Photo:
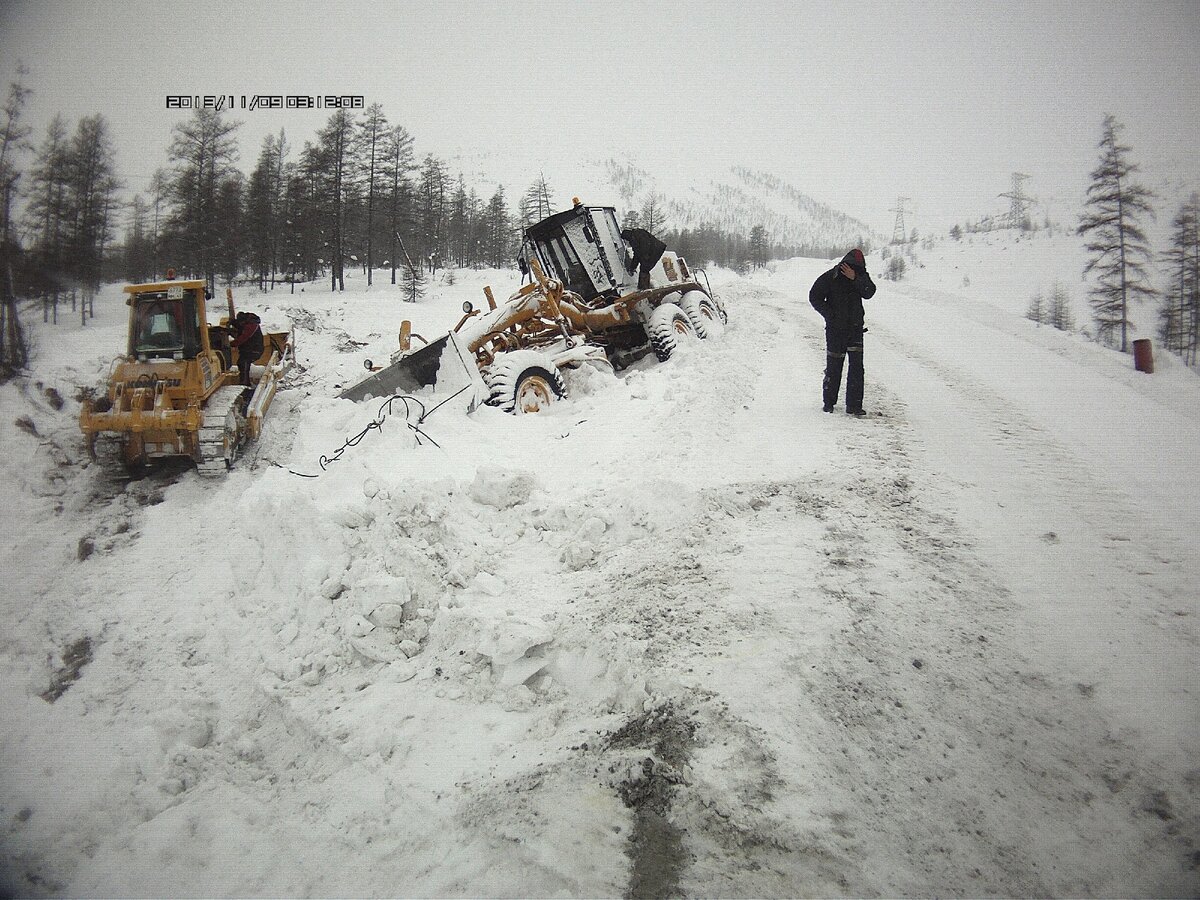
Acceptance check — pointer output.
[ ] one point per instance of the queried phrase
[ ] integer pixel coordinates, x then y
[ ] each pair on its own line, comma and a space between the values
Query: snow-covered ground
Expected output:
682, 634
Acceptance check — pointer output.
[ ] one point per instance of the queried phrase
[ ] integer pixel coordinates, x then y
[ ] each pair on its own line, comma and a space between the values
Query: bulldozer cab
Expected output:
582, 248
164, 321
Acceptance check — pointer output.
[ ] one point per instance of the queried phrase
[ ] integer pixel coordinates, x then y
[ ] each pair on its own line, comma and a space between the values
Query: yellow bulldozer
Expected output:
582, 305
176, 391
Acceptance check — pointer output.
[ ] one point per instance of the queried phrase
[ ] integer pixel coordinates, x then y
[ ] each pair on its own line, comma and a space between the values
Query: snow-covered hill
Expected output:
683, 634
732, 198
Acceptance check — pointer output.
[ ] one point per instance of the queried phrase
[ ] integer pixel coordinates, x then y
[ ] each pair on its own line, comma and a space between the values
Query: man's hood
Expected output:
855, 260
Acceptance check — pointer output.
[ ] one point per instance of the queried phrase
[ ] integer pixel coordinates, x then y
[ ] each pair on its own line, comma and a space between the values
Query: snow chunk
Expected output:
489, 584
502, 489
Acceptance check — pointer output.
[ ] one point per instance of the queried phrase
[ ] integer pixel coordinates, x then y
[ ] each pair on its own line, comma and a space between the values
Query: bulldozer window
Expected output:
164, 327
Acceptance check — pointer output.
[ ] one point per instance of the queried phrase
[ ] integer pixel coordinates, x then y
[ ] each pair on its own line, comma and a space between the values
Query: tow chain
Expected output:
376, 424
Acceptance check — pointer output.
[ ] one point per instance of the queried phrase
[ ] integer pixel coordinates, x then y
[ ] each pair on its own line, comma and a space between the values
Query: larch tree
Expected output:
760, 247
372, 138
1111, 220
1058, 308
338, 145
498, 247
14, 353
536, 202
653, 215
91, 189
203, 152
398, 165
46, 214
1179, 317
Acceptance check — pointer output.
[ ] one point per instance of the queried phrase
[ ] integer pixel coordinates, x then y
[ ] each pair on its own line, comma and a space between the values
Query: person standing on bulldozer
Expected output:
248, 340
647, 250
838, 295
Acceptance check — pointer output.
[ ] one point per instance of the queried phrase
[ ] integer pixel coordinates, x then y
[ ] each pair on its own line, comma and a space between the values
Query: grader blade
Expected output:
405, 376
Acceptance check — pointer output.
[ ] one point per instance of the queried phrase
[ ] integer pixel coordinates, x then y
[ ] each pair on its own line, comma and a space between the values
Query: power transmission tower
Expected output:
1018, 214
899, 234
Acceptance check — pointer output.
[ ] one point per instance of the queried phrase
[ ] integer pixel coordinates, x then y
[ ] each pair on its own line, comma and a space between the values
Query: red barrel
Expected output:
1143, 356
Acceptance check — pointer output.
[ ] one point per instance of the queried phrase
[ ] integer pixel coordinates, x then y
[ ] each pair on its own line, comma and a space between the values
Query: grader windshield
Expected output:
165, 324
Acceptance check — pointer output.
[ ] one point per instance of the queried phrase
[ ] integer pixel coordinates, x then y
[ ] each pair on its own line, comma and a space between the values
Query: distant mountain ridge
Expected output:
734, 198
742, 198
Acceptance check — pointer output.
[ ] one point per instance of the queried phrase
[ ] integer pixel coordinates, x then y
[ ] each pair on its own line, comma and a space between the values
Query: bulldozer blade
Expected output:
405, 376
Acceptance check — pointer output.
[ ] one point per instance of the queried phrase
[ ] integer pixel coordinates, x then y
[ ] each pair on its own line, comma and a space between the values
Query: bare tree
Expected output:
204, 152
536, 202
372, 140
1112, 221
337, 145
14, 353
1037, 308
653, 215
1179, 318
397, 166
1058, 308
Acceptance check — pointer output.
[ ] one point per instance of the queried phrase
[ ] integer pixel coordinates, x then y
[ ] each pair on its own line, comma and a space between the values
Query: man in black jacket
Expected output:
647, 250
838, 295
248, 340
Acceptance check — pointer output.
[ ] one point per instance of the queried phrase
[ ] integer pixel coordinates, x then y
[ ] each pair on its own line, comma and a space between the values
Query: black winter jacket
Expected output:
646, 247
839, 300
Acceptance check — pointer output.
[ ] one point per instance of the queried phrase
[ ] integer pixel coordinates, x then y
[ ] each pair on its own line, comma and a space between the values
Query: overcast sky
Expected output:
854, 103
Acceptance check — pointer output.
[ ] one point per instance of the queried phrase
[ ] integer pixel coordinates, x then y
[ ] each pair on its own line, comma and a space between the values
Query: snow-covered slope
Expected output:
691, 193
683, 634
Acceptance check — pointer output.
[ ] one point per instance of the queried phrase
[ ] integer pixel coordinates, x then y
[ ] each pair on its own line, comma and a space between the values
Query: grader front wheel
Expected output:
534, 393
524, 381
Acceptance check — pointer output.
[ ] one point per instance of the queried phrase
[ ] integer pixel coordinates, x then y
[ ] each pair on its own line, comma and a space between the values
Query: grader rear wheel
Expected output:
668, 323
703, 314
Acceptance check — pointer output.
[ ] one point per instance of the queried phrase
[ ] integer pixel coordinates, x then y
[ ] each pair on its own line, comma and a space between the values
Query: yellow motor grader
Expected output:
176, 391
582, 305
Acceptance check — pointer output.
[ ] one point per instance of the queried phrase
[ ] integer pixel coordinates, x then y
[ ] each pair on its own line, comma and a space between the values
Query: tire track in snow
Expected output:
893, 714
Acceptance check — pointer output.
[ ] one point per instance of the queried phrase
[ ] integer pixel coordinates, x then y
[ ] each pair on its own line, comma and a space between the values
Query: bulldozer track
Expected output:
218, 444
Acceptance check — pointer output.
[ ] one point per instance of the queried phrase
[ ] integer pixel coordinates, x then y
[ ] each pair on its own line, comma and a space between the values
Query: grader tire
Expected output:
703, 314
667, 324
524, 381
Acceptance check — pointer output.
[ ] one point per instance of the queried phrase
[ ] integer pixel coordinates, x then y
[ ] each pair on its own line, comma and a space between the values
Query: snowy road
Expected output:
685, 634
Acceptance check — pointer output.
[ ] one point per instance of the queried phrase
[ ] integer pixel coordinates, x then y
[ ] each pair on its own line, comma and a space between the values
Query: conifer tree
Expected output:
536, 203
398, 165
1037, 308
91, 197
203, 151
13, 135
760, 250
373, 141
337, 149
1112, 221
47, 216
653, 214
1179, 327
1058, 308
499, 231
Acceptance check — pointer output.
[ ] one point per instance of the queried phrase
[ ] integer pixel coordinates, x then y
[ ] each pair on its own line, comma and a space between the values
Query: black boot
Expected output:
833, 379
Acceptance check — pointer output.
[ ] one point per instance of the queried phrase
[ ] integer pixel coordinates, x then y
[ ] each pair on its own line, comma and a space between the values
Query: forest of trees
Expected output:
355, 196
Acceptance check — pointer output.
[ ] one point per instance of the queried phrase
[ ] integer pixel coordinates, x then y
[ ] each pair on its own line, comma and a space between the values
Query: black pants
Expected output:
835, 354
245, 361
